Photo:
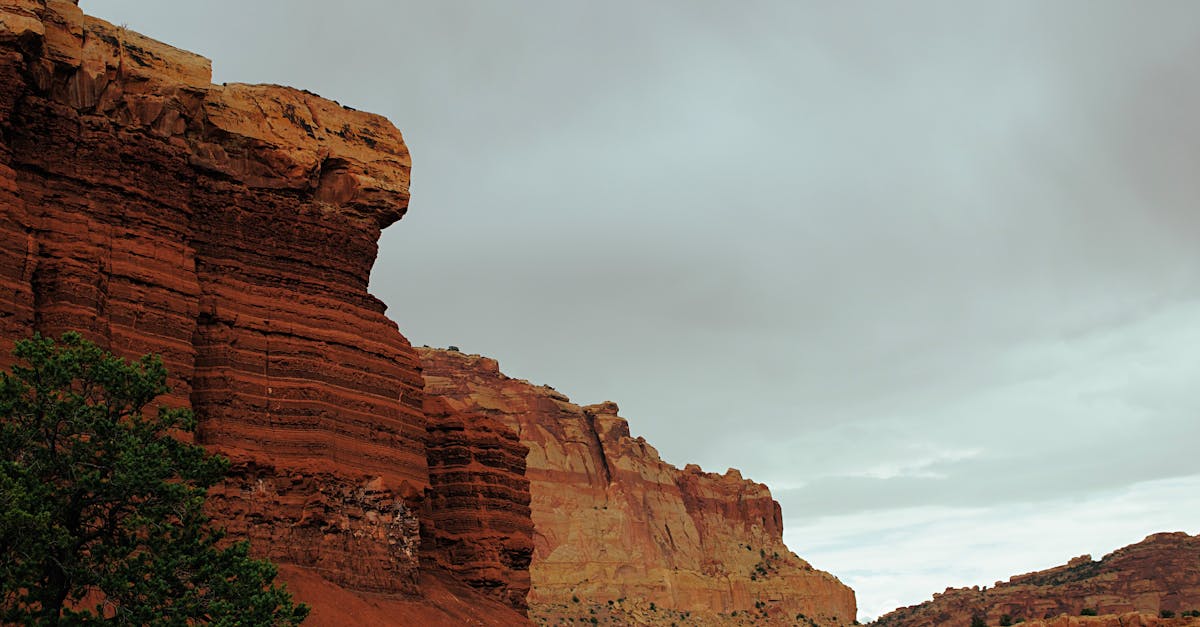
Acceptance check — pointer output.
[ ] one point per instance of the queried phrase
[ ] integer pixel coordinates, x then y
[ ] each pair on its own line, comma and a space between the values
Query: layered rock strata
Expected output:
478, 508
613, 522
230, 229
1160, 575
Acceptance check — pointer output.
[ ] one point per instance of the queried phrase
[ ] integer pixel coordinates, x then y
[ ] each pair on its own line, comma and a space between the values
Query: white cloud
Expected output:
921, 468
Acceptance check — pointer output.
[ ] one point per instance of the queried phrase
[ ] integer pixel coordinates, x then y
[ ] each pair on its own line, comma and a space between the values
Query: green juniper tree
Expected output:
101, 508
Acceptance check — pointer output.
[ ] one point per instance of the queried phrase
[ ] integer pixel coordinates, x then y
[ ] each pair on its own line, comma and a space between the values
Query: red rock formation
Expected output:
613, 521
480, 528
1160, 573
232, 230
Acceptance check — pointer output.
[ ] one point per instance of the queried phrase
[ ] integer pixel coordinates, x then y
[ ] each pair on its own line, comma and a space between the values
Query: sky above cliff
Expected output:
929, 270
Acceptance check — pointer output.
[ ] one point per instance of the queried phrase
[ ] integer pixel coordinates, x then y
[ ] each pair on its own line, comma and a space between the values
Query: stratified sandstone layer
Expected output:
614, 522
1161, 573
480, 528
232, 230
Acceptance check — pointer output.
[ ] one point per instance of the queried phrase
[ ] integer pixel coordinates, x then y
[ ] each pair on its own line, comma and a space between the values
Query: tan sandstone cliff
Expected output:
1134, 583
624, 536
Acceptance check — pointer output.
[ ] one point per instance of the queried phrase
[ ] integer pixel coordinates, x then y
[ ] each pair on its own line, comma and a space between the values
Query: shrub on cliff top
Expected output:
101, 515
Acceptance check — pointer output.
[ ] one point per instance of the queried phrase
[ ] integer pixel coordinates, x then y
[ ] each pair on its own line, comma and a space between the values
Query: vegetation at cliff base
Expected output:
101, 507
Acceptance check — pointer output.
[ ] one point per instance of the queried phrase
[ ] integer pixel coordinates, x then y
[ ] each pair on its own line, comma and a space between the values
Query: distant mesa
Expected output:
1153, 582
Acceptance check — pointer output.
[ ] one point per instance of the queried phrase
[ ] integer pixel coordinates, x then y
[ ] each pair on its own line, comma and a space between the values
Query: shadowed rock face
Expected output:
232, 230
1160, 573
479, 503
612, 520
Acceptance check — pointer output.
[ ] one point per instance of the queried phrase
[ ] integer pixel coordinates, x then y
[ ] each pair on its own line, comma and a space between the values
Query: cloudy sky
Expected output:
928, 269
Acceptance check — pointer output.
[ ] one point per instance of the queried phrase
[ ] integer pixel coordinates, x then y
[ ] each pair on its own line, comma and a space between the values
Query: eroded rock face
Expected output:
1160, 573
613, 521
478, 507
1129, 619
232, 230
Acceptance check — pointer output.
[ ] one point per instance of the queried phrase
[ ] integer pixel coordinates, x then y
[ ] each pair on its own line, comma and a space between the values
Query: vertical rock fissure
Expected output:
601, 454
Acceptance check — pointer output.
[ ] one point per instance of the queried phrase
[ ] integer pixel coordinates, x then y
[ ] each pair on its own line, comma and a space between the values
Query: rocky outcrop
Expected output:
619, 532
1129, 619
1160, 575
230, 229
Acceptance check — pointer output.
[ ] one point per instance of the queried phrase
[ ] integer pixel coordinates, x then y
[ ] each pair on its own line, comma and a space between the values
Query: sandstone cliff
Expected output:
232, 230
622, 535
1160, 573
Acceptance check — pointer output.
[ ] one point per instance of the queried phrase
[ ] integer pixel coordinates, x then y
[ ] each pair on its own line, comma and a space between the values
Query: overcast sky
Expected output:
928, 269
